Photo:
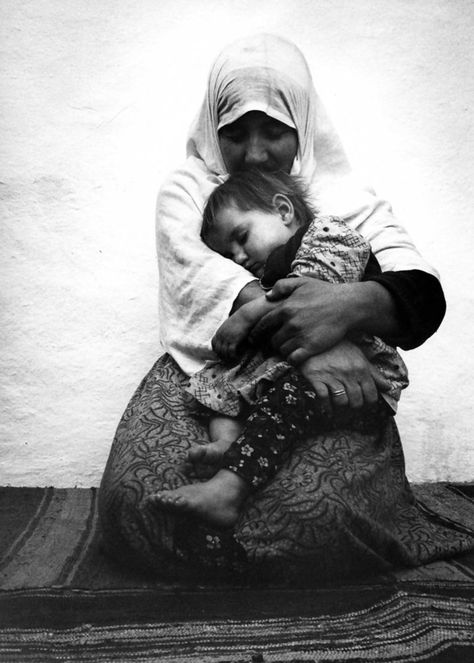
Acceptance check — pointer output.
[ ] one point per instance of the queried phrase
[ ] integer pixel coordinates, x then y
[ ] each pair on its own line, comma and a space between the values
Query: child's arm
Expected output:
237, 327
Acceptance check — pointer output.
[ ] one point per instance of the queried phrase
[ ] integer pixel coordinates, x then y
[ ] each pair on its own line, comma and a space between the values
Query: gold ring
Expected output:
339, 392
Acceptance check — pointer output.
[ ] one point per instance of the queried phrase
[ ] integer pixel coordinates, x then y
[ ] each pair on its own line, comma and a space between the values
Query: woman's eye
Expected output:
275, 131
242, 238
233, 136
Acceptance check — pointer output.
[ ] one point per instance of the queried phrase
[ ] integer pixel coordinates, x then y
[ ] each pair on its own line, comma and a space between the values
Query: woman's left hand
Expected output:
343, 377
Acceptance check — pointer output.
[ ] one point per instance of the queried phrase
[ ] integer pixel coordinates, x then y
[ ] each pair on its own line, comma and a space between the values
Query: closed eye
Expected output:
233, 135
274, 133
242, 237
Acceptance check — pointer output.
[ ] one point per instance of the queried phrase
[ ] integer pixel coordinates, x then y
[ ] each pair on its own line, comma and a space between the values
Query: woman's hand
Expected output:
342, 377
311, 316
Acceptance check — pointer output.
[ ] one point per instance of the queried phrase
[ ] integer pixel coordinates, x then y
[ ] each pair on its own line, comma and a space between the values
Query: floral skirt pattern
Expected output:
339, 506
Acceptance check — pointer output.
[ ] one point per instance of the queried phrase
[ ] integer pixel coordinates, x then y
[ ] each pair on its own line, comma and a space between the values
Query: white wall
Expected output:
96, 101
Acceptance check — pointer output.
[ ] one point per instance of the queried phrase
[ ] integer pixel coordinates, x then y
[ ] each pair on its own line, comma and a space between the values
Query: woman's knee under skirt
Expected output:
340, 506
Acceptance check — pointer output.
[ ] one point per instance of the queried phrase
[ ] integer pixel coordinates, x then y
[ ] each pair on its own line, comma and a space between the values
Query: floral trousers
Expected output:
288, 411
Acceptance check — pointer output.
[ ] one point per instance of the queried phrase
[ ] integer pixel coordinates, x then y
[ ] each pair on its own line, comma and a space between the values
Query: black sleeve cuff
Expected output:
420, 303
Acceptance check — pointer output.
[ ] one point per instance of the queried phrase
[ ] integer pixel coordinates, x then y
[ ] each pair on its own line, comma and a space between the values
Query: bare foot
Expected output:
217, 501
206, 459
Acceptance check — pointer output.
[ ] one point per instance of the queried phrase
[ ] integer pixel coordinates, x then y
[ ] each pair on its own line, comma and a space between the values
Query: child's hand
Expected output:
230, 336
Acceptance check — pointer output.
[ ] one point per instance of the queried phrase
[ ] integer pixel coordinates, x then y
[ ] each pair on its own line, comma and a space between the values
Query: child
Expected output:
264, 222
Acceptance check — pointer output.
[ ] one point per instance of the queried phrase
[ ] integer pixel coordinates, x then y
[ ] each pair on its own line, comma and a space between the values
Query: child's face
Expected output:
248, 237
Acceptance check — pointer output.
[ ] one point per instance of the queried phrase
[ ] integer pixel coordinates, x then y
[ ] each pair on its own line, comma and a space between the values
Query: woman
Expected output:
341, 503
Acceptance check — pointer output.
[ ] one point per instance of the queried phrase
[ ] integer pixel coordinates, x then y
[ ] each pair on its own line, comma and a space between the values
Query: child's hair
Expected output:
255, 190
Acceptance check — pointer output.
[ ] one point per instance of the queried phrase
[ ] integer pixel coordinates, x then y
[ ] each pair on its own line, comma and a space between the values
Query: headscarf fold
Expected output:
198, 286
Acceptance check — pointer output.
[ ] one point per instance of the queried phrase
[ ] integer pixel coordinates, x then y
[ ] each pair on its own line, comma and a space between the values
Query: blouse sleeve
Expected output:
412, 282
197, 287
420, 303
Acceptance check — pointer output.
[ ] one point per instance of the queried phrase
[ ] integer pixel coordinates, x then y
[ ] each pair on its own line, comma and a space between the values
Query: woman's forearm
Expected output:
372, 309
420, 305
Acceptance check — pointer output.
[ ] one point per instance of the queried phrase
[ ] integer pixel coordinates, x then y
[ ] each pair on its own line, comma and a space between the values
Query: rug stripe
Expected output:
17, 507
406, 627
29, 529
76, 558
435, 571
41, 558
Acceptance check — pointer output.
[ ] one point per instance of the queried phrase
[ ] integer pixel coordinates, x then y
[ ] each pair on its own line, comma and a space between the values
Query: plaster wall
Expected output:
96, 102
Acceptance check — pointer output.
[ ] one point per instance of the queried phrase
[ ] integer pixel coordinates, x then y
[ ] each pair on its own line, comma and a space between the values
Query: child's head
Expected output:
253, 213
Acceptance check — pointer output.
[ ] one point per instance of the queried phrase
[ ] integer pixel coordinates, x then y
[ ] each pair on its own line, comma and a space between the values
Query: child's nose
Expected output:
239, 255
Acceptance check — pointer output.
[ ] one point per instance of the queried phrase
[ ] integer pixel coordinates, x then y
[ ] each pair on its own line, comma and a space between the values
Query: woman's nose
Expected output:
255, 153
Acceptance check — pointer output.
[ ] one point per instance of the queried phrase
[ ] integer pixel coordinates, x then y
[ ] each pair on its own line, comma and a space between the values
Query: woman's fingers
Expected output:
282, 289
262, 330
369, 391
276, 318
340, 395
355, 398
322, 392
298, 356
285, 342
351, 381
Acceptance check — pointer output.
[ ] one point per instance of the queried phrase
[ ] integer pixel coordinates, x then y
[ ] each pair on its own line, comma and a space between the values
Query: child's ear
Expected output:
285, 208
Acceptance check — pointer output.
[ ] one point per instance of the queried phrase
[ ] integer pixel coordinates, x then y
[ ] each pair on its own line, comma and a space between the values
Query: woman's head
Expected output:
262, 78
268, 75
253, 213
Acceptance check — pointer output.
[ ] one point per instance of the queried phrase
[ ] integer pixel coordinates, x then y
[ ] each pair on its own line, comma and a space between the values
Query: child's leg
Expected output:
206, 459
217, 501
224, 429
285, 413
288, 411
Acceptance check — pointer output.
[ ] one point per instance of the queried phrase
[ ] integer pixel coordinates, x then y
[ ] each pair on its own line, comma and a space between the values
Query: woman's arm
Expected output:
198, 287
420, 305
313, 316
404, 305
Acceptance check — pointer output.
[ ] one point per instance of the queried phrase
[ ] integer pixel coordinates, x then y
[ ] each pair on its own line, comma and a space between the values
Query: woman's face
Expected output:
256, 140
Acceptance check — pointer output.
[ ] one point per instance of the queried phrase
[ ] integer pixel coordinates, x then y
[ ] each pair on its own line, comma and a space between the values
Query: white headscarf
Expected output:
269, 74
198, 286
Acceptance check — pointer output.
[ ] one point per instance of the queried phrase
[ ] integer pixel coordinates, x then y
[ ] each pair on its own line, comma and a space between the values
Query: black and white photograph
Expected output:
237, 322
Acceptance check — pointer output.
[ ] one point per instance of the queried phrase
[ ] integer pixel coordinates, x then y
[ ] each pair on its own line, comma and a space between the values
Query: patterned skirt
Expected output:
340, 506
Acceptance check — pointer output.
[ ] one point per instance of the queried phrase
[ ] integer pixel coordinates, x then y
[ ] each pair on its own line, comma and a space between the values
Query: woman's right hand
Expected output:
342, 377
311, 316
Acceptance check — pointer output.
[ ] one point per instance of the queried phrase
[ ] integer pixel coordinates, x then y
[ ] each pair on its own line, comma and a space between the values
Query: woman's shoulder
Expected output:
191, 180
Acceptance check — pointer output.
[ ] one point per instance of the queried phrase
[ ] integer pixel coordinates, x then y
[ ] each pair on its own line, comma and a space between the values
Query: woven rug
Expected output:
62, 599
